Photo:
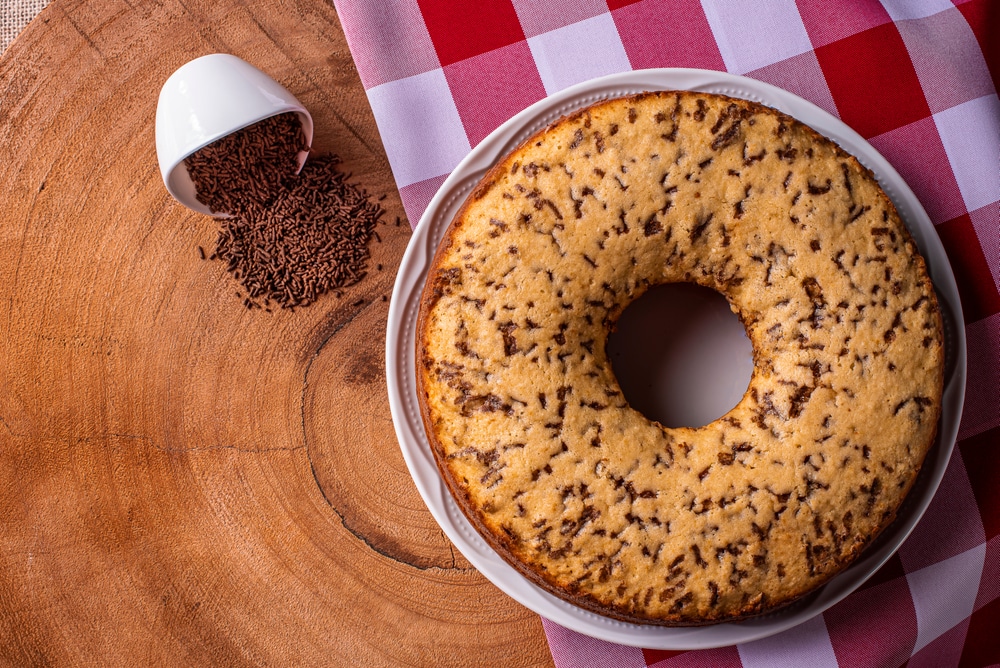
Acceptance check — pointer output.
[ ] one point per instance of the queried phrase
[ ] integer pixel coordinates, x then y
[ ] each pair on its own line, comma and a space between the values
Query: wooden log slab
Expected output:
184, 481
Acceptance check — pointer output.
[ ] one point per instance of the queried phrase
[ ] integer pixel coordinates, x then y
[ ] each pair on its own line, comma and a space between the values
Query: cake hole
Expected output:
681, 356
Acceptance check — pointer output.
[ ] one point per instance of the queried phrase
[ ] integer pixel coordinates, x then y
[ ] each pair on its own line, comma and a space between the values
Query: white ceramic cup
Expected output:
206, 99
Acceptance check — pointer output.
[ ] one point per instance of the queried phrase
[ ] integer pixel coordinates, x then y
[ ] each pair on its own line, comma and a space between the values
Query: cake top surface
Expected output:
591, 499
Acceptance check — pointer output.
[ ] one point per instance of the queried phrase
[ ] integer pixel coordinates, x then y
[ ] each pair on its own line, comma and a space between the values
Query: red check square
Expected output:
723, 657
890, 570
989, 584
981, 454
490, 88
827, 21
873, 81
917, 153
876, 626
683, 36
980, 298
462, 30
981, 646
618, 4
984, 17
652, 657
982, 387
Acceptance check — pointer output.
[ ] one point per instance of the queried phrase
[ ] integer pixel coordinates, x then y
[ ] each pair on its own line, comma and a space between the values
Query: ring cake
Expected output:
587, 497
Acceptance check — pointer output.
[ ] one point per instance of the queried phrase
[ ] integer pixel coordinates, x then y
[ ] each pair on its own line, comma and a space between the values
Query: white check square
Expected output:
900, 10
578, 52
421, 130
943, 594
808, 644
970, 133
755, 34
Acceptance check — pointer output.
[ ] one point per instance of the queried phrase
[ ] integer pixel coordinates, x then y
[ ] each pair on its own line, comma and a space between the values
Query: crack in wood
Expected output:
368, 541
388, 555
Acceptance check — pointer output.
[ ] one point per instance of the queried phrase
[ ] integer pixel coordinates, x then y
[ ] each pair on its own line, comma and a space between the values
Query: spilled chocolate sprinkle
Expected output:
290, 237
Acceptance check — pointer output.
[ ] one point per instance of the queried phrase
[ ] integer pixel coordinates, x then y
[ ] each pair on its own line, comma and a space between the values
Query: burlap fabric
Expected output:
14, 16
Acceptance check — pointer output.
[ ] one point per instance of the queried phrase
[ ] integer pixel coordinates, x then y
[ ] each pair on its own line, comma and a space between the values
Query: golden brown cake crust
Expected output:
587, 497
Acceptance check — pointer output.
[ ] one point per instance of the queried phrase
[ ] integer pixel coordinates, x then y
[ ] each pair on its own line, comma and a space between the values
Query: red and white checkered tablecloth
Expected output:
917, 78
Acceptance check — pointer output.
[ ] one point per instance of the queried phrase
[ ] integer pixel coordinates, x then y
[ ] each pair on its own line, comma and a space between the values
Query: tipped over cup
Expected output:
207, 99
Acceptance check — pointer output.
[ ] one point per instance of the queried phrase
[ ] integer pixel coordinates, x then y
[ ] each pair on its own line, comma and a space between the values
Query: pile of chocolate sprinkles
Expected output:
289, 238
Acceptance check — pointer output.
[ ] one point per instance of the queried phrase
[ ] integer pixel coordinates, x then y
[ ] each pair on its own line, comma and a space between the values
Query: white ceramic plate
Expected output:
400, 358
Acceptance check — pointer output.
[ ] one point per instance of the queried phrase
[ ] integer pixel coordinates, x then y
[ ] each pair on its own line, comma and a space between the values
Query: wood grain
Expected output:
182, 480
